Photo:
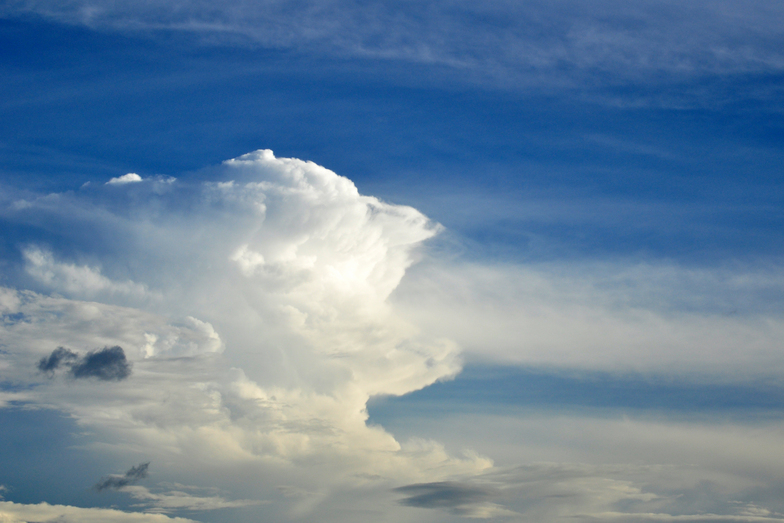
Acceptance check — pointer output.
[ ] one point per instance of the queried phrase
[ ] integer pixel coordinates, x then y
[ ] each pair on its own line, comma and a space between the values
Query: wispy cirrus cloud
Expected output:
508, 42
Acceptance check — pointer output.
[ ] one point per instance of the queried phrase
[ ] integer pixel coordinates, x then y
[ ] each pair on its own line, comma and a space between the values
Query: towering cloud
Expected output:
253, 310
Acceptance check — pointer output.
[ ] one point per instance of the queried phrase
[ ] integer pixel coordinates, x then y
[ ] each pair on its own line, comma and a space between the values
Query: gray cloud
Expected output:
58, 357
455, 497
116, 482
106, 364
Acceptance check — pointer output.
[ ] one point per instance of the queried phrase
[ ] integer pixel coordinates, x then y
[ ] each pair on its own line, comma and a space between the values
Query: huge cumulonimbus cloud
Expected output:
253, 309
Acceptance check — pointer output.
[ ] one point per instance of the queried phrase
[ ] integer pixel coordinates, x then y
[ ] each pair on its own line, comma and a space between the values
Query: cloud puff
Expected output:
116, 482
125, 178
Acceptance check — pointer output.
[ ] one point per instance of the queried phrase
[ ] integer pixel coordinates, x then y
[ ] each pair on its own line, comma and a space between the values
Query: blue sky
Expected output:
493, 256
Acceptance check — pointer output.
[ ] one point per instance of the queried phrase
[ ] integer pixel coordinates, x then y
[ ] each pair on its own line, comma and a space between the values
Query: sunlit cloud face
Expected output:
243, 319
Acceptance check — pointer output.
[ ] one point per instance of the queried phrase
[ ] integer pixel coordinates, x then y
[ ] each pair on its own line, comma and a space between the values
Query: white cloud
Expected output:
181, 499
646, 318
76, 280
125, 178
583, 466
253, 311
21, 513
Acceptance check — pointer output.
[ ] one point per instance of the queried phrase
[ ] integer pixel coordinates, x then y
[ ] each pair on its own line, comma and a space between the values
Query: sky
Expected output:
404, 261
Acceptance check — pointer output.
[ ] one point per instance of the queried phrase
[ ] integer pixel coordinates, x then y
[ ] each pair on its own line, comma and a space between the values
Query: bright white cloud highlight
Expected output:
125, 178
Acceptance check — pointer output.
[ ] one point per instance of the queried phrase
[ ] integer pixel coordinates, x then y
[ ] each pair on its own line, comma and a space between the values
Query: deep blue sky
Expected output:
688, 169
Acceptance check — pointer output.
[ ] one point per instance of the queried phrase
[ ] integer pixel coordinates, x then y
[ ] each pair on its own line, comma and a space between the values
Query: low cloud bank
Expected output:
24, 513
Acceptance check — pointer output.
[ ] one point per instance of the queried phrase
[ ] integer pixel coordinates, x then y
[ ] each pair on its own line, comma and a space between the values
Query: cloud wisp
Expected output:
59, 356
555, 43
117, 482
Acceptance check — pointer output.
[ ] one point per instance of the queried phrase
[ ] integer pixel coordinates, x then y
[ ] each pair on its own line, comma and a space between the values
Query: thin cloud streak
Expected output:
115, 482
502, 41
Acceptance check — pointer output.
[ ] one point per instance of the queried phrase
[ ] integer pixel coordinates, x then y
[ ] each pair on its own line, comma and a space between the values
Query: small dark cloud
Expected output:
106, 364
58, 357
116, 482
448, 495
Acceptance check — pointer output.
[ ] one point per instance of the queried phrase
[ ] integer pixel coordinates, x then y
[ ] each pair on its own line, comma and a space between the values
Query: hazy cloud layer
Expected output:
184, 498
613, 316
460, 499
